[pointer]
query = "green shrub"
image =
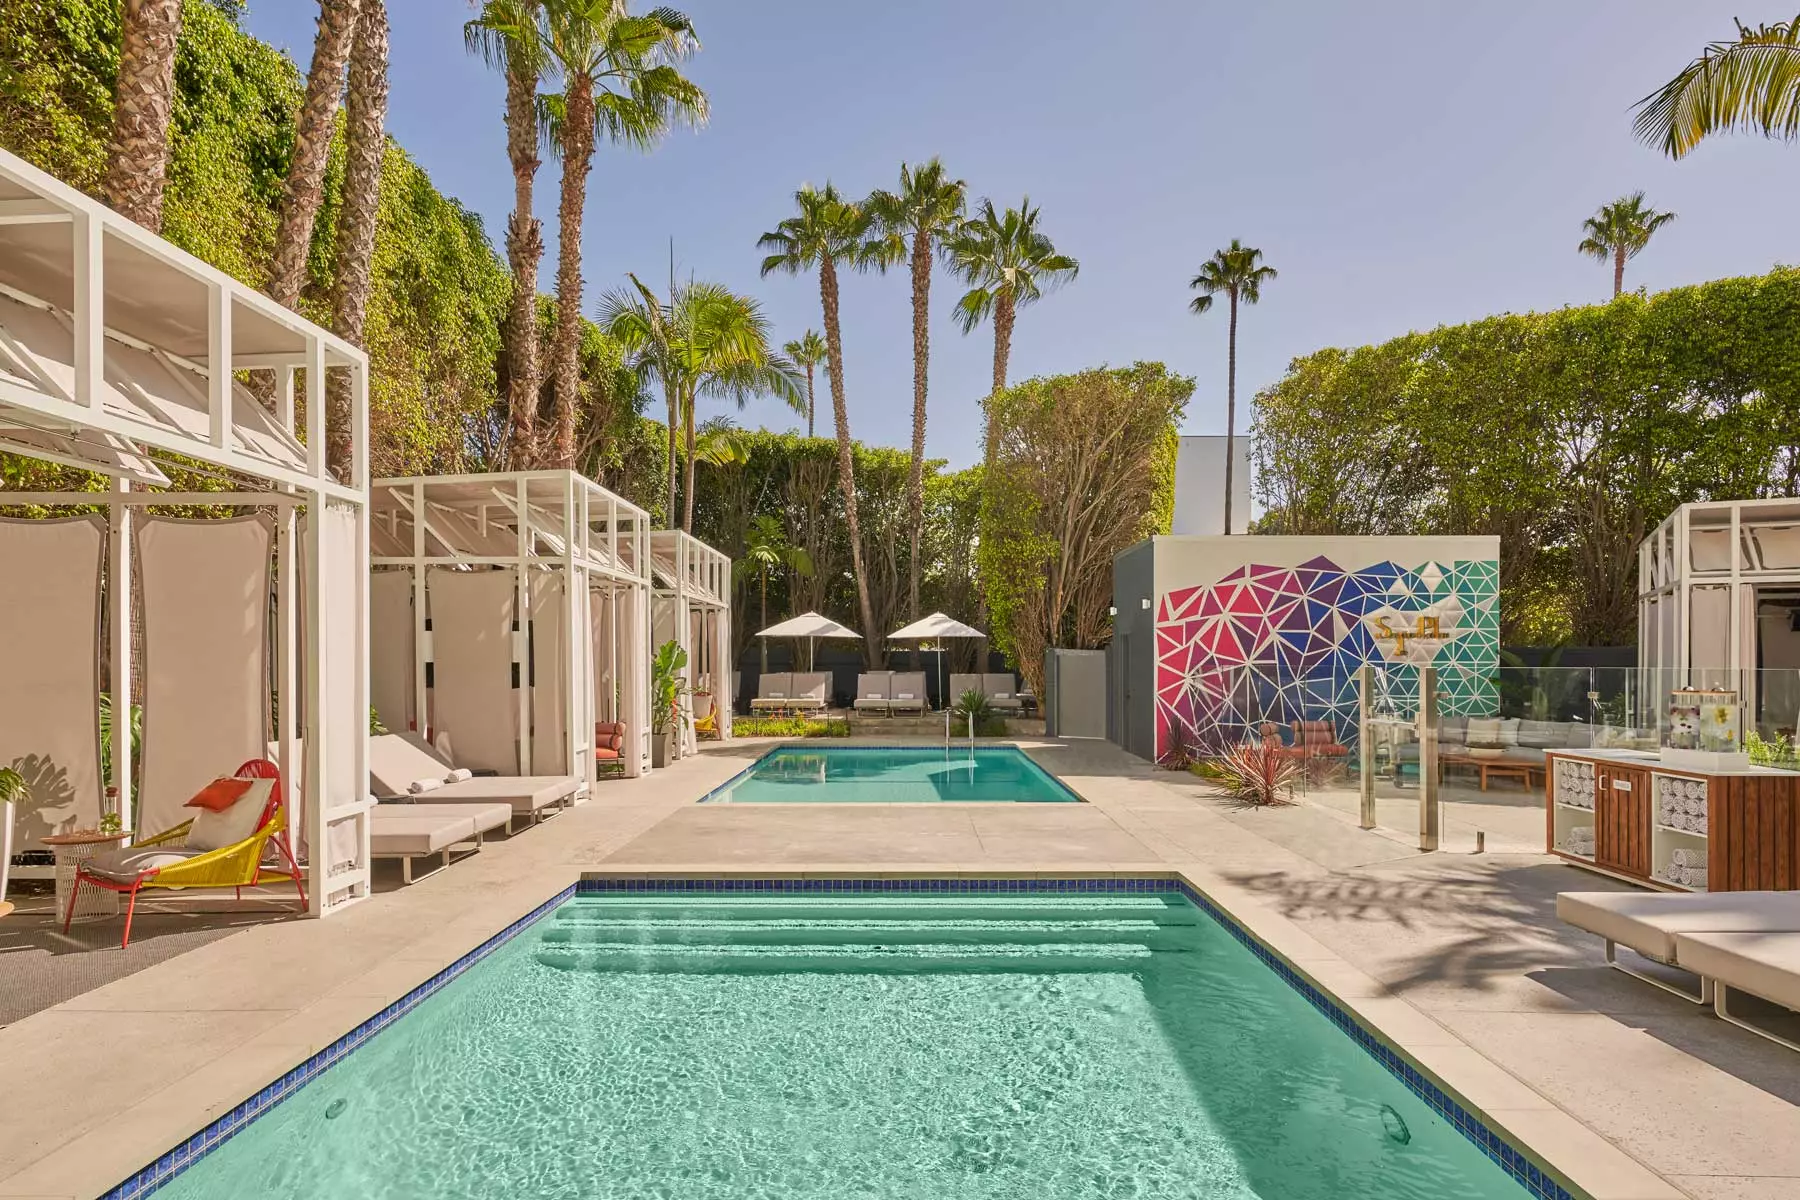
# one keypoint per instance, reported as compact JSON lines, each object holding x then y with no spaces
{"x":791,"y":727}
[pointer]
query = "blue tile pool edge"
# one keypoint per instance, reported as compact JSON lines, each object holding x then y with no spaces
{"x":1538,"y":1180}
{"x":1075,"y":797}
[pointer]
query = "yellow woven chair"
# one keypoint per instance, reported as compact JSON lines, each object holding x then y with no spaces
{"x":237,"y":866}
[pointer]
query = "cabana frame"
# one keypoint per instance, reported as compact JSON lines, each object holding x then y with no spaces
{"x":526,"y":522}
{"x":116,"y":349}
{"x":692,"y":606}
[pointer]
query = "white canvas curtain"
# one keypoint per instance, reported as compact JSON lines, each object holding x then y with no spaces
{"x":50,"y":645}
{"x":391,"y":649}
{"x":204,"y":661}
{"x":549,"y":649}
{"x":473,"y":699}
{"x":345,"y":724}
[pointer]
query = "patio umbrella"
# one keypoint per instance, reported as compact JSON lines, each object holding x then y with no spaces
{"x":936,"y":628}
{"x":812,"y":627}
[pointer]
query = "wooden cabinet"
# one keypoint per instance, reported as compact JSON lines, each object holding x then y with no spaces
{"x":1749,"y":839}
{"x":1622,"y":819}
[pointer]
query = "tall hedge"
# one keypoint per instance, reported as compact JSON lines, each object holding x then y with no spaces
{"x":1568,"y":434}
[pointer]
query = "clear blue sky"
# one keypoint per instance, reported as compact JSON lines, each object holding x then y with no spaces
{"x":1402,"y":165}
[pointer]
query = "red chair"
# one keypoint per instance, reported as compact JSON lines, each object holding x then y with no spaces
{"x":609,"y":744}
{"x":164,"y":861}
{"x":1316,"y":740}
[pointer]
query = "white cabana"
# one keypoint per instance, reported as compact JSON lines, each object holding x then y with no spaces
{"x":456,"y":559}
{"x":936,"y":628}
{"x":810,"y":627}
{"x":691,"y":606}
{"x":118,"y":353}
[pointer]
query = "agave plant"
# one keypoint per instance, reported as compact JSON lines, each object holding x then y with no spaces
{"x":973,"y":709}
{"x":1258,"y":775}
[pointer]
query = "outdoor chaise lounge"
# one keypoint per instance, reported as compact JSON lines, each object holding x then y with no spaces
{"x":874,"y":691}
{"x":774,"y":690}
{"x":223,"y":846}
{"x":407,"y":831}
{"x":961,"y":685}
{"x":1002,"y":692}
{"x":1652,"y":922}
{"x":1763,"y":963}
{"x":909,"y":692}
{"x":398,"y":768}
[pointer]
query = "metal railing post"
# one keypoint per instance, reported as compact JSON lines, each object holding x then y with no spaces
{"x":1365,"y":683}
{"x":1428,"y":759}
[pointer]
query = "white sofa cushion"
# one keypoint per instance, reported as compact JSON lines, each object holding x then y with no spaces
{"x":1484,"y":731}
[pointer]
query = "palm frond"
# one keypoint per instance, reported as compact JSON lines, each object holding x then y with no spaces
{"x":1751,"y":84}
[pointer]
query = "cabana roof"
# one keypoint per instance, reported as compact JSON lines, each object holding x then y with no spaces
{"x":116,"y":346}
{"x":683,"y":563}
{"x":554,"y":517}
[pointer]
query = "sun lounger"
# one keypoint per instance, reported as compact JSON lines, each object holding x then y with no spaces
{"x":1002,"y":692}
{"x":874,"y":689}
{"x":396,"y":765}
{"x":812,"y":691}
{"x":909,"y":692}
{"x":961,"y":685}
{"x":408,"y":831}
{"x":775,"y":690}
{"x":1765,"y":964}
{"x":1652,"y":923}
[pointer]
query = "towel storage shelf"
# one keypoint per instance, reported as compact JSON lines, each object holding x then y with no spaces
{"x":1652,"y":823}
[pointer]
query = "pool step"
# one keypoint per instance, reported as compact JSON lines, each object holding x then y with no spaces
{"x":1048,"y":958}
{"x":884,"y":933}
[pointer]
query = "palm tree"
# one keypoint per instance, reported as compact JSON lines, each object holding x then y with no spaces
{"x":1008,"y":263}
{"x":807,"y":352}
{"x":137,"y":159}
{"x":704,"y":341}
{"x":618,"y":80}
{"x":1233,"y":271}
{"x":828,"y":231}
{"x":766,"y":548}
{"x":509,"y":34}
{"x":365,"y":148}
{"x":1618,"y":231}
{"x":1752,"y":83}
{"x":312,"y":142}
{"x":928,"y":205}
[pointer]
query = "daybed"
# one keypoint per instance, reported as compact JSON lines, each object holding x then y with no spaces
{"x":406,"y":830}
{"x":398,"y":768}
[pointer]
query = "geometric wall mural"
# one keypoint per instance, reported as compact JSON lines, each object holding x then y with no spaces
{"x":1284,"y":644}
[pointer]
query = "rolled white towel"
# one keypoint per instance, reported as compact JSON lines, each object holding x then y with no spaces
{"x":458,"y":775}
{"x":1695,"y":877}
{"x":419,"y":787}
{"x":1678,"y":859}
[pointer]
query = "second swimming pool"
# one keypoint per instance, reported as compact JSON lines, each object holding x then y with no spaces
{"x":893,"y":775}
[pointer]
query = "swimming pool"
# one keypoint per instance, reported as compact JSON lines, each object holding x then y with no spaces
{"x":893,"y":775}
{"x":883,"y":1045}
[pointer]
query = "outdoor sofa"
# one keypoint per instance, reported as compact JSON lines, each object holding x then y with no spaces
{"x":1744,"y":940}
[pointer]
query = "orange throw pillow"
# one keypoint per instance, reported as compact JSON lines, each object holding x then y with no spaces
{"x":220,"y":794}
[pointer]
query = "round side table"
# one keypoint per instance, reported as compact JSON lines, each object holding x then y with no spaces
{"x":72,"y":849}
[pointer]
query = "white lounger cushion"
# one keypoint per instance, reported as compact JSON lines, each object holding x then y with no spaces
{"x":1763,"y":964}
{"x":1650,"y":922}
{"x":525,"y":793}
{"x":398,"y":830}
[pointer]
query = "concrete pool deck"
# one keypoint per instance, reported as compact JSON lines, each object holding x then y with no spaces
{"x":1457,"y":959}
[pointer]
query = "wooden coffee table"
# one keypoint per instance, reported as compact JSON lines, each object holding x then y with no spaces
{"x":1493,"y":768}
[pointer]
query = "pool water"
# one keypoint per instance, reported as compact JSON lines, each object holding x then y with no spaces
{"x":815,"y":1047}
{"x":893,"y":775}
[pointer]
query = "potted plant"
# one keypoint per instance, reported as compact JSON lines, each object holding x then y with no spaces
{"x":667,"y":687}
